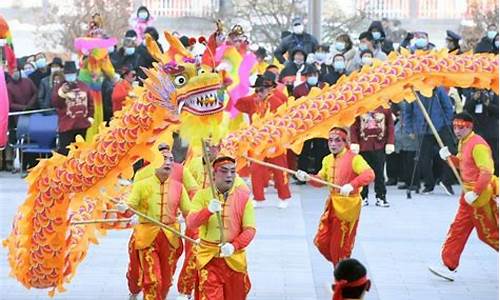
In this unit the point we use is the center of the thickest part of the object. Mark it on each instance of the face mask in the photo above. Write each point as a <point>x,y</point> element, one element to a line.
<point>491,34</point>
<point>26,72</point>
<point>16,76</point>
<point>313,80</point>
<point>298,62</point>
<point>376,35</point>
<point>298,29</point>
<point>70,77</point>
<point>339,65</point>
<point>143,15</point>
<point>363,46</point>
<point>421,43</point>
<point>55,69</point>
<point>41,63</point>
<point>366,60</point>
<point>340,46</point>
<point>129,51</point>
<point>320,56</point>
<point>111,49</point>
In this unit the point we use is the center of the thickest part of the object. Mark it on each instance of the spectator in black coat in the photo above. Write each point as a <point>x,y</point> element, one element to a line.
<point>145,58</point>
<point>487,43</point>
<point>380,41</point>
<point>298,39</point>
<point>128,56</point>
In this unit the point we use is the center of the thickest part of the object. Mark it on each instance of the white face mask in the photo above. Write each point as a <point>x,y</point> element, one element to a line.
<point>54,69</point>
<point>366,60</point>
<point>298,29</point>
<point>70,77</point>
<point>313,80</point>
<point>491,34</point>
<point>143,15</point>
<point>111,49</point>
<point>129,50</point>
<point>340,46</point>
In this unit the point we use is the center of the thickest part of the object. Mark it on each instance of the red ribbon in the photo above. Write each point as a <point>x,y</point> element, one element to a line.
<point>341,284</point>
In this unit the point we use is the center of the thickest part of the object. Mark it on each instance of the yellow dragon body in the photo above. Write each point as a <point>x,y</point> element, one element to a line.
<point>44,249</point>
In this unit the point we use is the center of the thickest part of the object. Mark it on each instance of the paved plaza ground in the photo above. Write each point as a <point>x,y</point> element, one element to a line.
<point>396,244</point>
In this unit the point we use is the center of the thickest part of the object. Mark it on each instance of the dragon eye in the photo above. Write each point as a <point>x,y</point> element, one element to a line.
<point>201,71</point>
<point>180,80</point>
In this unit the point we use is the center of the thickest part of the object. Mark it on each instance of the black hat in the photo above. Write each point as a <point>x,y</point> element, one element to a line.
<point>268,79</point>
<point>131,34</point>
<point>452,35</point>
<point>184,41</point>
<point>297,20</point>
<point>56,61</point>
<point>70,67</point>
<point>261,52</point>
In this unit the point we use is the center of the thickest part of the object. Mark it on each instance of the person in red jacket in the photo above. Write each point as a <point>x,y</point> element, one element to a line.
<point>123,88</point>
<point>22,92</point>
<point>74,106</point>
<point>372,136</point>
<point>478,206</point>
<point>266,99</point>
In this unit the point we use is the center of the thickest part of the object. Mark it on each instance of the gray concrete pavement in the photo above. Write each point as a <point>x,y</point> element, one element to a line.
<point>396,244</point>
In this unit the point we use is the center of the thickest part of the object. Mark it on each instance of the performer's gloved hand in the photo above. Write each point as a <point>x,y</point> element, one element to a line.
<point>134,220</point>
<point>354,148</point>
<point>346,189</point>
<point>180,219</point>
<point>389,149</point>
<point>227,249</point>
<point>214,206</point>
<point>121,207</point>
<point>302,175</point>
<point>470,197</point>
<point>444,153</point>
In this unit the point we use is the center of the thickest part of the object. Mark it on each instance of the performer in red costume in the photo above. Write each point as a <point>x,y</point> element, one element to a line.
<point>339,221</point>
<point>478,206</point>
<point>265,99</point>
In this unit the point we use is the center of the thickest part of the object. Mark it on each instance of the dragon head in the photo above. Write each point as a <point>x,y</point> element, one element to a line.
<point>195,91</point>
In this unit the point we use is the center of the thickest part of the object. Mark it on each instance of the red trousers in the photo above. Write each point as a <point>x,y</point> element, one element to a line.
<point>188,278</point>
<point>134,279</point>
<point>157,265</point>
<point>484,219</point>
<point>335,238</point>
<point>260,177</point>
<point>219,282</point>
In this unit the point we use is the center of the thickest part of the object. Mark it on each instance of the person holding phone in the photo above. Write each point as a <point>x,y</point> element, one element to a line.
<point>74,106</point>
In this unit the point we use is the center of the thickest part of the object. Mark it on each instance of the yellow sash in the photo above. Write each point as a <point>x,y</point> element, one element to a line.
<point>145,234</point>
<point>346,208</point>
<point>206,251</point>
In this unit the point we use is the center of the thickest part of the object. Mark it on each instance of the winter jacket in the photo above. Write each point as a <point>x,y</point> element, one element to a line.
<point>22,94</point>
<point>305,41</point>
<point>373,130</point>
<point>74,107</point>
<point>45,93</point>
<point>439,108</point>
<point>403,141</point>
<point>486,46</point>
<point>484,111</point>
<point>384,43</point>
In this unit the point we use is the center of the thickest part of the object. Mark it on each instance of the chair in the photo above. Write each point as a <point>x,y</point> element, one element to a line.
<point>42,136</point>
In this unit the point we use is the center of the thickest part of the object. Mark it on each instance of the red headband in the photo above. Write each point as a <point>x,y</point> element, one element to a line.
<point>340,132</point>
<point>462,123</point>
<point>221,161</point>
<point>341,284</point>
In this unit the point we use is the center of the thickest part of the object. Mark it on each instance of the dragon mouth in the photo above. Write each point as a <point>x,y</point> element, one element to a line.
<point>206,102</point>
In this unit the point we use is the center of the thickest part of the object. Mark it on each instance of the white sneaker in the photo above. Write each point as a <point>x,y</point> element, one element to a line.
<point>132,296</point>
<point>183,297</point>
<point>364,202</point>
<point>443,272</point>
<point>283,204</point>
<point>257,204</point>
<point>382,202</point>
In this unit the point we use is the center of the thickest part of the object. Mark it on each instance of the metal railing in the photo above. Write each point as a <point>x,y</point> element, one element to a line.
<point>183,8</point>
